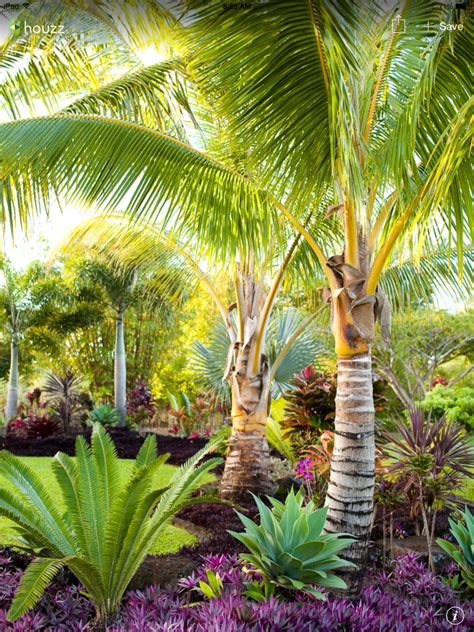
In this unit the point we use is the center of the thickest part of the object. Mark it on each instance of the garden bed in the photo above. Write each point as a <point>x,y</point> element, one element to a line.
<point>127,443</point>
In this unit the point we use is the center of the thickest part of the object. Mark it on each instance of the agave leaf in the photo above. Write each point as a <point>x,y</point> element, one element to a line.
<point>247,540</point>
<point>319,595</point>
<point>330,548</point>
<point>289,561</point>
<point>332,581</point>
<point>296,583</point>
<point>316,522</point>
<point>307,550</point>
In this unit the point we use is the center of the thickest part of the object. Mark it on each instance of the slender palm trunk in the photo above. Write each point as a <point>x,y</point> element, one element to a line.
<point>12,395</point>
<point>120,369</point>
<point>352,480</point>
<point>247,467</point>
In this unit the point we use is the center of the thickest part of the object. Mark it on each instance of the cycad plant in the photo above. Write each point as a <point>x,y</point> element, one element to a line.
<point>288,547</point>
<point>109,524</point>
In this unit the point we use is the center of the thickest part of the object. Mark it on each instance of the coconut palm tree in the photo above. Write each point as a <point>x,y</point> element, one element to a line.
<point>334,100</point>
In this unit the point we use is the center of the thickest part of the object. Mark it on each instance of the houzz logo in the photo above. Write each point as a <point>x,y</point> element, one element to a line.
<point>18,28</point>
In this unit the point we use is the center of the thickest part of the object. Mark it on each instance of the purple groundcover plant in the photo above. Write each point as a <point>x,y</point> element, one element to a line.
<point>62,608</point>
<point>408,599</point>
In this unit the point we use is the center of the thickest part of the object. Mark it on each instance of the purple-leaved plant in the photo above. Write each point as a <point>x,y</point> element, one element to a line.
<point>407,599</point>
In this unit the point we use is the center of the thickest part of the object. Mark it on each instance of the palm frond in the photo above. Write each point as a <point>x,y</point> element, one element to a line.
<point>270,51</point>
<point>37,577</point>
<point>412,281</point>
<point>113,160</point>
<point>162,276</point>
<point>150,96</point>
<point>209,361</point>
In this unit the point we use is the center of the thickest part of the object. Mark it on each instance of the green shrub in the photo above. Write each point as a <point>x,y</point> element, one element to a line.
<point>105,414</point>
<point>289,549</point>
<point>456,403</point>
<point>463,554</point>
<point>108,526</point>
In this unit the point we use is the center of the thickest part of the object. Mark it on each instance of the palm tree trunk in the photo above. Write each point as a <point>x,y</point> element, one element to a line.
<point>12,395</point>
<point>352,479</point>
<point>120,369</point>
<point>247,466</point>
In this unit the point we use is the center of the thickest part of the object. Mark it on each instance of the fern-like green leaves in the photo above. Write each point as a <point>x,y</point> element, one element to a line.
<point>39,574</point>
<point>109,525</point>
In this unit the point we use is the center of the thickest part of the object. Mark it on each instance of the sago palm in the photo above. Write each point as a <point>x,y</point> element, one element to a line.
<point>333,104</point>
<point>109,524</point>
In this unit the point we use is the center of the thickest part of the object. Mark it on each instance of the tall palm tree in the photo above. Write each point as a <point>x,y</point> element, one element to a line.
<point>246,322</point>
<point>27,298</point>
<point>161,289</point>
<point>334,100</point>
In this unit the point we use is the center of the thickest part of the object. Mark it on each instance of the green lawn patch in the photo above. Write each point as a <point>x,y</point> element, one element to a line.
<point>171,540</point>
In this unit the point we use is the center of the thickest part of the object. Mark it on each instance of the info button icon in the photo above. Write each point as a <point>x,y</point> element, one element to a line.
<point>455,615</point>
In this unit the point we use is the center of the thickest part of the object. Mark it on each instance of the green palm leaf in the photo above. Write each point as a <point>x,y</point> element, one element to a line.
<point>160,174</point>
<point>209,361</point>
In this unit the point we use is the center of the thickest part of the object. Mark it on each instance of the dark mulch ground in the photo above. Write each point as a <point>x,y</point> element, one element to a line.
<point>127,442</point>
<point>216,519</point>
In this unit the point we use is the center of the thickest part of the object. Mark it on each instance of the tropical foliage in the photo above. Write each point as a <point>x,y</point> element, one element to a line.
<point>108,527</point>
<point>455,403</point>
<point>430,461</point>
<point>462,552</point>
<point>288,547</point>
<point>282,156</point>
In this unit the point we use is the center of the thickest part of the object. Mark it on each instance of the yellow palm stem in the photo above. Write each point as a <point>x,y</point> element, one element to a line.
<point>311,241</point>
<point>382,220</point>
<point>351,254</point>
<point>268,306</point>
